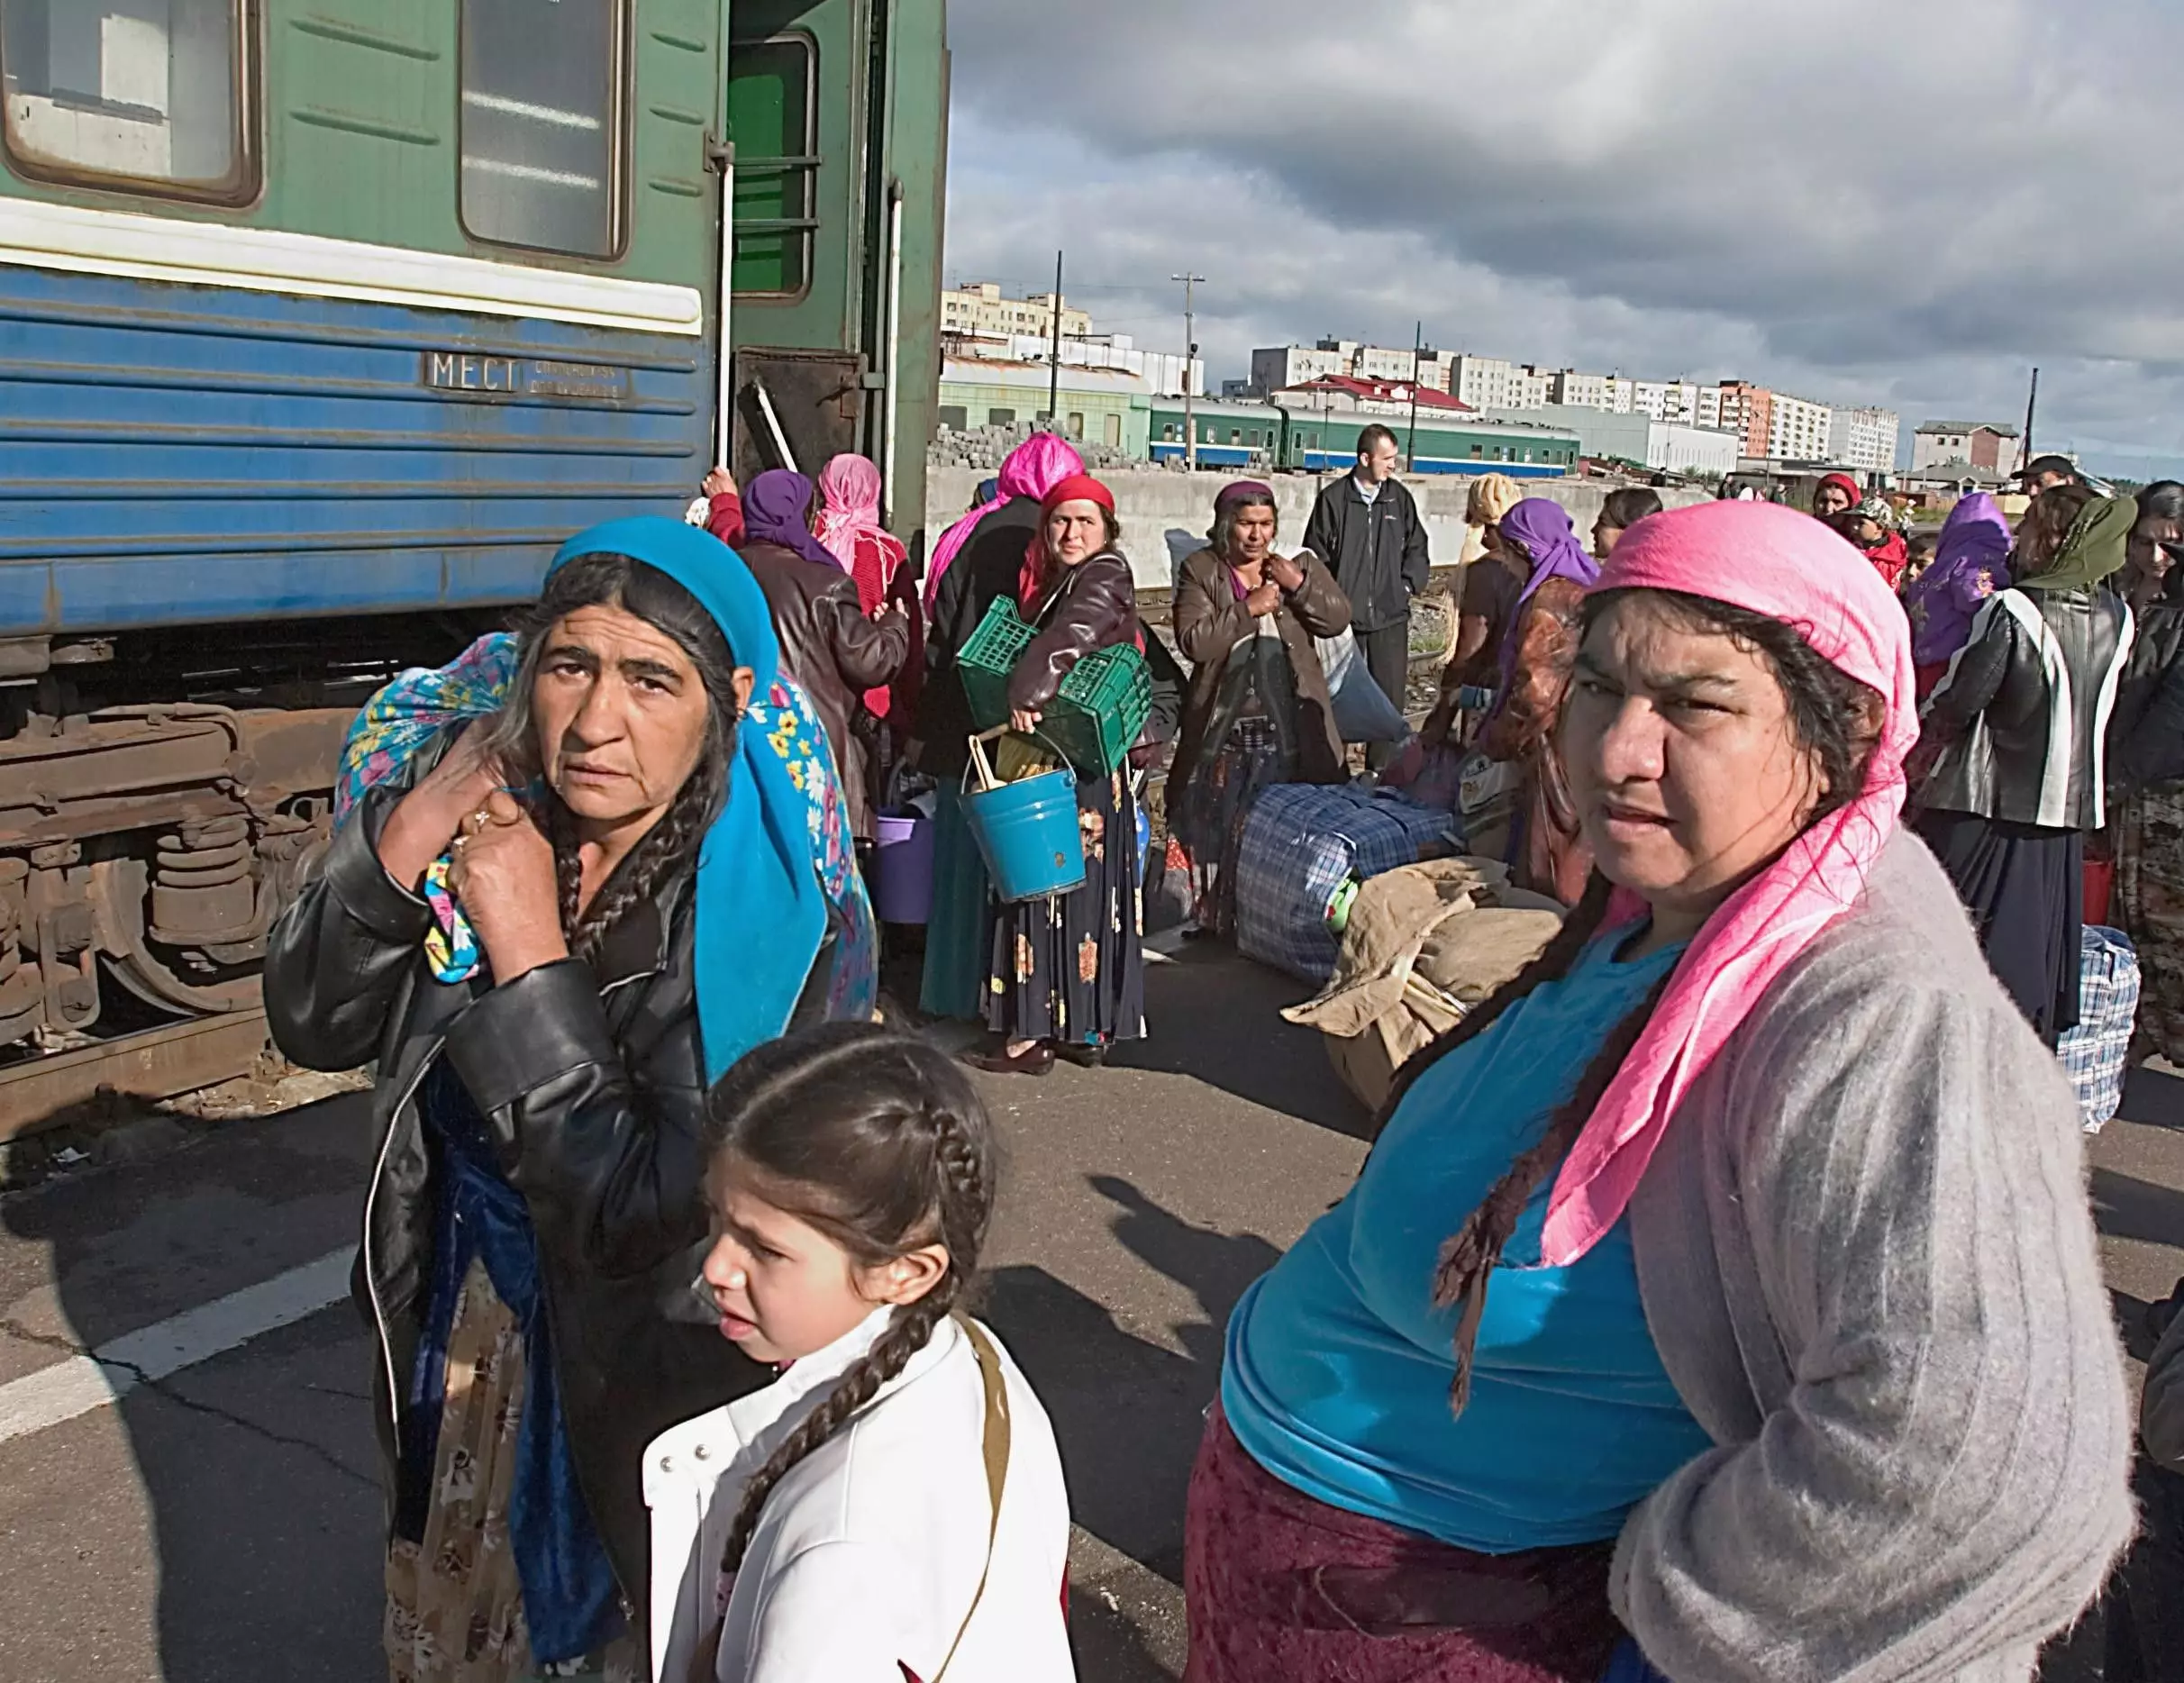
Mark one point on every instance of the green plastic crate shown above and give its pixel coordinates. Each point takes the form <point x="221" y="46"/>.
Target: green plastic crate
<point x="1104" y="702"/>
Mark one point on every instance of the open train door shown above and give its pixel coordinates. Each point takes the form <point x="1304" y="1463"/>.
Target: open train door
<point x="834" y="120"/>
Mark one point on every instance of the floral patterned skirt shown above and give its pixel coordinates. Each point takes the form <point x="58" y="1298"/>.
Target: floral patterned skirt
<point x="454" y="1602"/>
<point x="1072" y="967"/>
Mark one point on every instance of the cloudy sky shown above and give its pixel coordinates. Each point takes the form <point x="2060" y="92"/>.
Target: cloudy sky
<point x="1909" y="203"/>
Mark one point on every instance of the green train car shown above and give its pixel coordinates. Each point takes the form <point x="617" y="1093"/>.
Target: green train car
<point x="323" y="322"/>
<point x="1271" y="437"/>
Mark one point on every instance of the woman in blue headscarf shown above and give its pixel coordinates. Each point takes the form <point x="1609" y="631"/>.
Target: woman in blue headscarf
<point x="543" y="927"/>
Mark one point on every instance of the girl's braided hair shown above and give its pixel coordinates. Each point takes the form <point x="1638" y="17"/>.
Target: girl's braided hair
<point x="672" y="845"/>
<point x="1834" y="718"/>
<point x="876" y="1139"/>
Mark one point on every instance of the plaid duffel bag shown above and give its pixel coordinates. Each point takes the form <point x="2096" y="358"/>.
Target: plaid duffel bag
<point x="2097" y="1052"/>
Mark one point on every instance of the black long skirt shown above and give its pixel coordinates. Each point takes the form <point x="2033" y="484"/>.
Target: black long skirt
<point x="2024" y="887"/>
<point x="1072" y="967"/>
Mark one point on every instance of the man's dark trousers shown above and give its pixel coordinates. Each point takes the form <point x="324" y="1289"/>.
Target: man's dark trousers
<point x="1387" y="653"/>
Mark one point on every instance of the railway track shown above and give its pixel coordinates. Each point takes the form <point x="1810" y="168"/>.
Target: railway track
<point x="38" y="1092"/>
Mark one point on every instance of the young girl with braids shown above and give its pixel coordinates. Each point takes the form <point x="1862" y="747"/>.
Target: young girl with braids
<point x="1721" y="1295"/>
<point x="542" y="926"/>
<point x="892" y="1506"/>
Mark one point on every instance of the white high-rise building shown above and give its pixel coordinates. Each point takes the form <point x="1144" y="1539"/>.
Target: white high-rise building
<point x="1799" y="429"/>
<point x="1866" y="439"/>
<point x="1673" y="402"/>
<point x="1483" y="382"/>
<point x="1578" y="391"/>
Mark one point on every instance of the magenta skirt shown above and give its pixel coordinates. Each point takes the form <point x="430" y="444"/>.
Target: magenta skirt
<point x="1282" y="1589"/>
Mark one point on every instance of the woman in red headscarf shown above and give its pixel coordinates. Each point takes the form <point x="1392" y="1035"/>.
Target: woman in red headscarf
<point x="1068" y="972"/>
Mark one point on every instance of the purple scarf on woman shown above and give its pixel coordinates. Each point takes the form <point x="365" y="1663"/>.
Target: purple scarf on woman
<point x="778" y="509"/>
<point x="1544" y="530"/>
<point x="1971" y="563"/>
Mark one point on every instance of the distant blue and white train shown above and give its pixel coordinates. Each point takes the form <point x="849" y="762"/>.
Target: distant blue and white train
<point x="1265" y="435"/>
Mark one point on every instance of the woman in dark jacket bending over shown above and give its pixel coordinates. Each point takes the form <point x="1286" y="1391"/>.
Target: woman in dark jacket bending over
<point x="534" y="1225"/>
<point x="1066" y="972"/>
<point x="1258" y="710"/>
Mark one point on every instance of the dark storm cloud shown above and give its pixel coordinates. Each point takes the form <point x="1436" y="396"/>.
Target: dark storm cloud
<point x="1894" y="202"/>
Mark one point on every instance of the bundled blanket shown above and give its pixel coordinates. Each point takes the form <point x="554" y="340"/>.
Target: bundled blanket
<point x="1424" y="943"/>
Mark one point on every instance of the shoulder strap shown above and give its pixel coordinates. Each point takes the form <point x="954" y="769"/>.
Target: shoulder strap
<point x="995" y="1449"/>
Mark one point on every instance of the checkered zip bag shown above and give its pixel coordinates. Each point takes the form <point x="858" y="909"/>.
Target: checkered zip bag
<point x="2096" y="1053"/>
<point x="1300" y="841"/>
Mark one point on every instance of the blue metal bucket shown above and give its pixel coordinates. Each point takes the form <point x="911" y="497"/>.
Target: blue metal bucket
<point x="1027" y="830"/>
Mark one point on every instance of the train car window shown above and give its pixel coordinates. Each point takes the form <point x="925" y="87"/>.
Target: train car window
<point x="1112" y="428"/>
<point x="773" y="118"/>
<point x="541" y="123"/>
<point x="1077" y="424"/>
<point x="954" y="418"/>
<point x="150" y="97"/>
<point x="1000" y="417"/>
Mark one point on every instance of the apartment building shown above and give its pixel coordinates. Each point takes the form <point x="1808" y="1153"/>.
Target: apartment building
<point x="1484" y="382"/>
<point x="1672" y="401"/>
<point x="1279" y="367"/>
<point x="1865" y="439"/>
<point x="1987" y="446"/>
<point x="1799" y="429"/>
<point x="978" y="310"/>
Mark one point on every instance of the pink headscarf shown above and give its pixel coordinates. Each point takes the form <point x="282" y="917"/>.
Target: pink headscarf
<point x="848" y="503"/>
<point x="1780" y="562"/>
<point x="1032" y="470"/>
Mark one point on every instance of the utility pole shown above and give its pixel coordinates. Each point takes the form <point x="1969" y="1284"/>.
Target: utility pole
<point x="1410" y="445"/>
<point x="1190" y="349"/>
<point x="2031" y="404"/>
<point x="1054" y="359"/>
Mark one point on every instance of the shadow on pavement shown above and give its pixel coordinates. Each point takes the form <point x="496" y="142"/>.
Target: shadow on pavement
<point x="263" y="1519"/>
<point x="1215" y="1017"/>
<point x="2125" y="1207"/>
<point x="2154" y="1096"/>
<point x="1129" y="1411"/>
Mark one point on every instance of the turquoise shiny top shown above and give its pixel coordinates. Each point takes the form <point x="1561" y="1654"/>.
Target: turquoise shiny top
<point x="1338" y="1364"/>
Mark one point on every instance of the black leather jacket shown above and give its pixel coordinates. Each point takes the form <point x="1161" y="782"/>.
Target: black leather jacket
<point x="2146" y="732"/>
<point x="2018" y="746"/>
<point x="830" y="646"/>
<point x="1093" y="606"/>
<point x="594" y="1085"/>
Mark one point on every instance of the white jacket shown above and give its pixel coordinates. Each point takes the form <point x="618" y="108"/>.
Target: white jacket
<point x="869" y="1553"/>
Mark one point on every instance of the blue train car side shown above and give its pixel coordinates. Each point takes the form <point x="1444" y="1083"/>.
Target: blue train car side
<point x="182" y="455"/>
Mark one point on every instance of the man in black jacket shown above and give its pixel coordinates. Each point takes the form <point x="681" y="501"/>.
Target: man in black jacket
<point x="1366" y="528"/>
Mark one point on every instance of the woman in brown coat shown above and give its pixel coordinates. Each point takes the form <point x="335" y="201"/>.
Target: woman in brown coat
<point x="1546" y="852"/>
<point x="1258" y="710"/>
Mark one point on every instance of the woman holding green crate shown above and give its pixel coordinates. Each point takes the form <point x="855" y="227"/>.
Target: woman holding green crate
<point x="1066" y="974"/>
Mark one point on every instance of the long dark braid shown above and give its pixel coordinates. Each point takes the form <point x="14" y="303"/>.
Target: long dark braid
<point x="876" y="1139"/>
<point x="1834" y="717"/>
<point x="665" y="848"/>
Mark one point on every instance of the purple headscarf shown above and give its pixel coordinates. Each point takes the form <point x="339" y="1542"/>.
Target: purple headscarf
<point x="1032" y="470"/>
<point x="1971" y="563"/>
<point x="777" y="509"/>
<point x="1544" y="530"/>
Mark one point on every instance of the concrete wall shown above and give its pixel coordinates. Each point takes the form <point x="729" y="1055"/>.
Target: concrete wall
<point x="1165" y="516"/>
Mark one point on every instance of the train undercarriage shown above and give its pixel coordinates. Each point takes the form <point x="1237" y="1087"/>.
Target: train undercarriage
<point x="148" y="844"/>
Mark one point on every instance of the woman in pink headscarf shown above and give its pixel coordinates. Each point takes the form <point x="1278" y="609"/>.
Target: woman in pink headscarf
<point x="1720" y="1300"/>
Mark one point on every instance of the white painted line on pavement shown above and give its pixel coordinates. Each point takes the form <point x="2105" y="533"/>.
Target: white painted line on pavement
<point x="109" y="1373"/>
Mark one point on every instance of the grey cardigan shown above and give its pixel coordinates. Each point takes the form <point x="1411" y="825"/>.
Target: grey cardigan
<point x="1867" y="1256"/>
